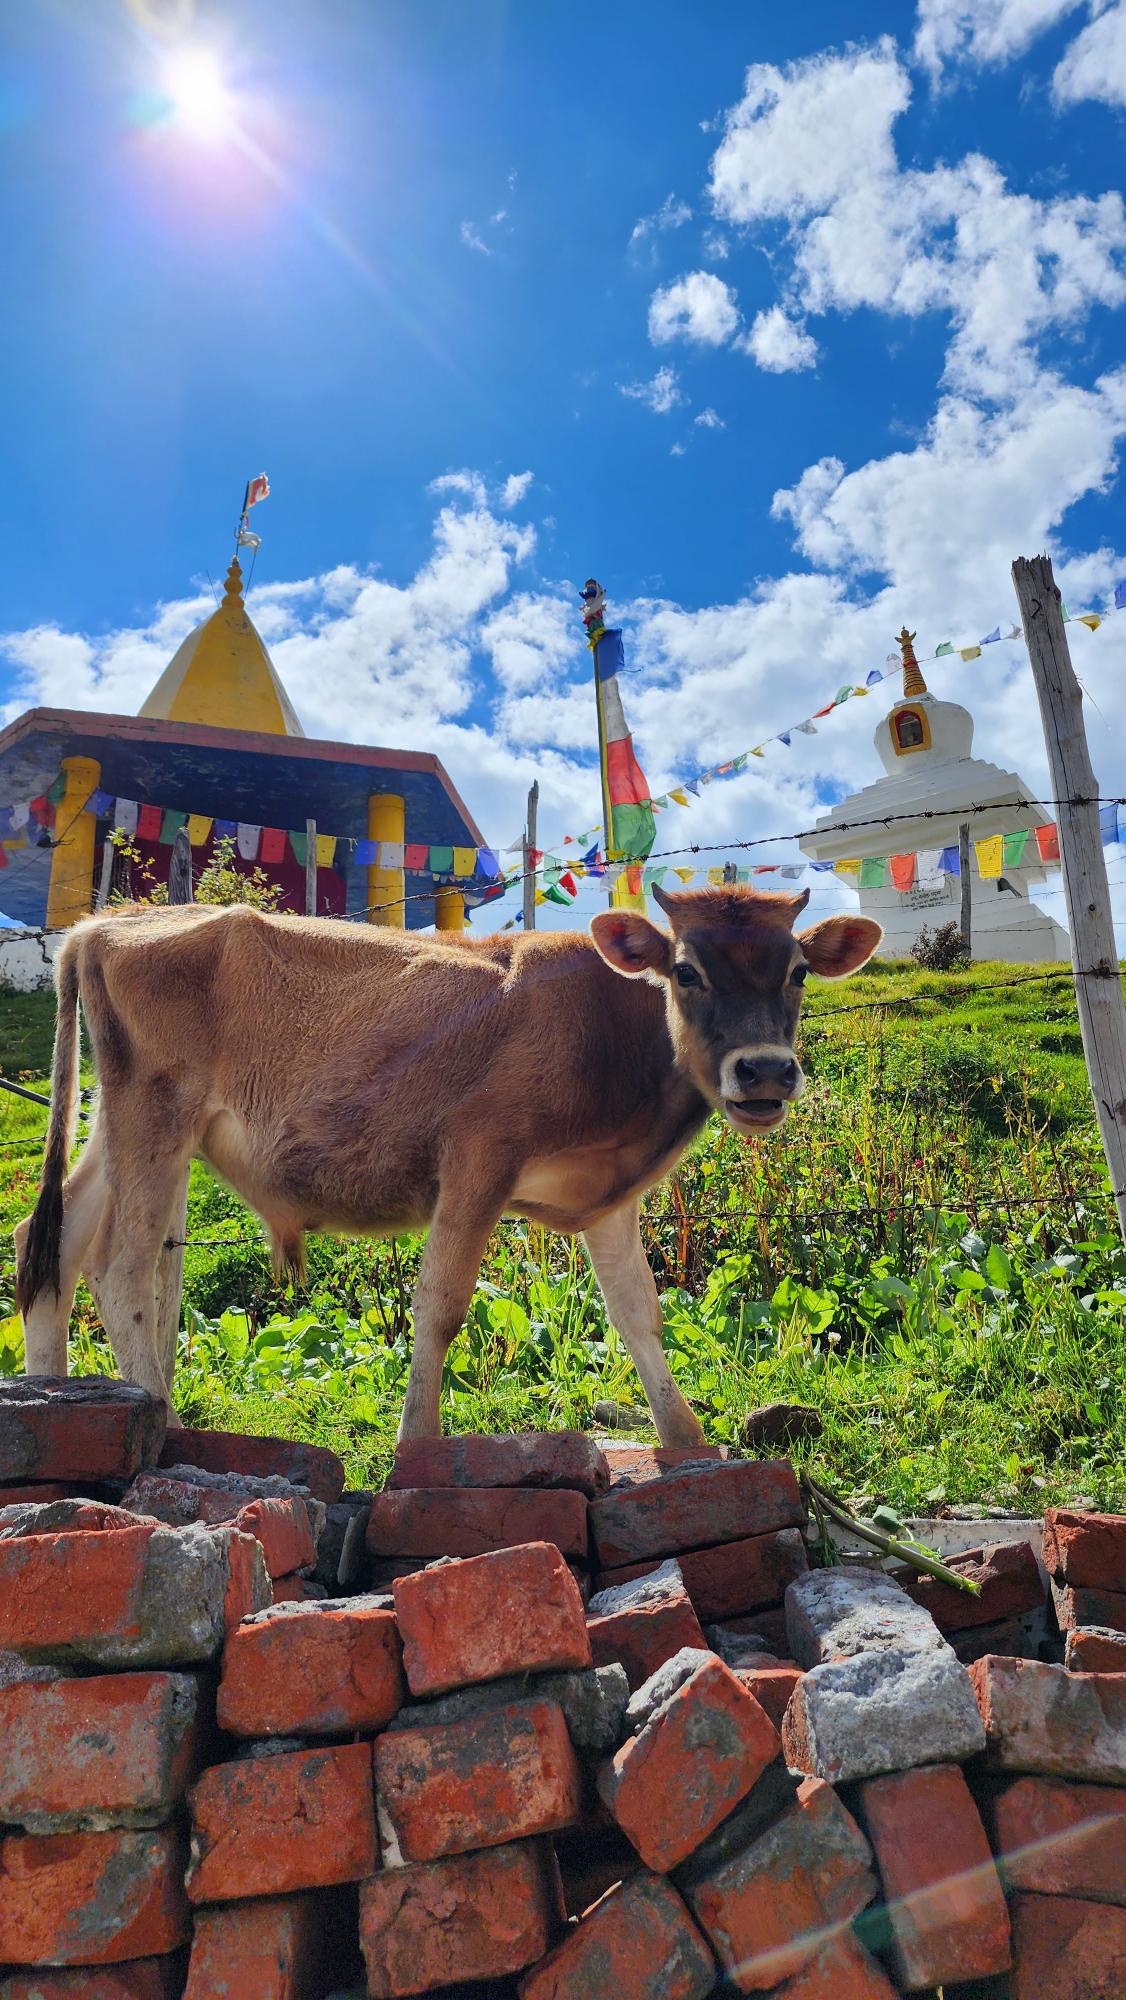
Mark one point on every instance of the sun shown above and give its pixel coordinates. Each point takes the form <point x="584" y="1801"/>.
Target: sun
<point x="201" y="98"/>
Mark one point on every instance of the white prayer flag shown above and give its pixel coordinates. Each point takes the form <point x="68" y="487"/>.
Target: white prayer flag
<point x="248" y="838"/>
<point x="125" y="815"/>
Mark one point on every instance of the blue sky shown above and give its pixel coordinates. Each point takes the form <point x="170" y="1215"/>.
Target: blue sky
<point x="798" y="332"/>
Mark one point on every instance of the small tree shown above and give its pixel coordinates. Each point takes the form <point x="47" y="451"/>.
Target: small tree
<point x="220" y="882"/>
<point x="943" y="950"/>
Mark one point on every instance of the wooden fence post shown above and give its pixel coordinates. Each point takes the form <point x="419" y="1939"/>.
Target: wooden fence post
<point x="1098" y="983"/>
<point x="966" y="883"/>
<point x="310" y="867"/>
<point x="180" y="889"/>
<point x="529" y="865"/>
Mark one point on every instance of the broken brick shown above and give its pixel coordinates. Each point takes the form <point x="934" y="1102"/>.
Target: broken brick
<point x="312" y="1670"/>
<point x="697" y="1507"/>
<point x="297" y="1590"/>
<point x="1043" y="1720"/>
<point x="1094" y="1649"/>
<point x="472" y="1521"/>
<point x="1062" y="1839"/>
<point x="637" y="1943"/>
<point x="945" y="1908"/>
<point x="261" y="1457"/>
<point x="761" y="1906"/>
<point x="645" y="1631"/>
<point x="472" y="1916"/>
<point x="840" y="1970"/>
<point x="835" y="1614"/>
<point x="734" y="1577"/>
<point x="1007" y="1573"/>
<point x="91" y="1898"/>
<point x="593" y="1701"/>
<point x="1085" y="1549"/>
<point x="635" y="1464"/>
<point x="549" y="1460"/>
<point x="108" y="1750"/>
<point x="281" y="1523"/>
<point x="771" y="1686"/>
<point x="271" y="1948"/>
<point x="515" y="1610"/>
<point x="886" y="1710"/>
<point x="1067" y="1949"/>
<point x="1081" y="1604"/>
<point x="265" y="1826"/>
<point x="689" y="1765"/>
<point x="37" y="1493"/>
<point x="139" y="1979"/>
<point x="76" y="1428"/>
<point x="500" y="1775"/>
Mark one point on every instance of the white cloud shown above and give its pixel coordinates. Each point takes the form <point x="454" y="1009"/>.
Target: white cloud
<point x="698" y="307"/>
<point x="800" y="138"/>
<point x="515" y="488"/>
<point x="779" y="344"/>
<point x="716" y="245"/>
<point x="660" y="395"/>
<point x="1095" y="64"/>
<point x="710" y="420"/>
<point x="473" y="240"/>
<point x="982" y="31"/>
<point x="467" y="482"/>
<point x="677" y="450"/>
<point x="672" y="214"/>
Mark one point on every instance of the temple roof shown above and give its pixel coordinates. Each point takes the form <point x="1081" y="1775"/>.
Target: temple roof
<point x="222" y="675"/>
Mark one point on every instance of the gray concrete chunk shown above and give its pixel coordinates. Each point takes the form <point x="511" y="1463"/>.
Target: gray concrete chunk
<point x="885" y="1710"/>
<point x="659" y="1689"/>
<point x="658" y="1587"/>
<point x="834" y="1613"/>
<point x="593" y="1701"/>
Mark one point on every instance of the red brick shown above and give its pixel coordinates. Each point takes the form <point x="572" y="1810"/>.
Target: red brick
<point x="264" y="1826"/>
<point x="1066" y="1949"/>
<point x="735" y="1577"/>
<point x="1010" y="1580"/>
<point x="57" y="1588"/>
<point x="634" y="1464"/>
<point x="499" y="1776"/>
<point x="689" y="1766"/>
<point x="262" y="1457"/>
<point x="836" y="1853"/>
<point x="1091" y="1650"/>
<point x="694" y="1509"/>
<point x="514" y="1611"/>
<point x="643" y="1638"/>
<point x="474" y="1916"/>
<point x="76" y="1428"/>
<point x="771" y="1686"/>
<point x="841" y="1970"/>
<point x="1041" y="1719"/>
<point x="272" y="1948"/>
<point x="297" y="1590"/>
<point x="1086" y="1549"/>
<point x="38" y="1492"/>
<point x="319" y="1670"/>
<point x="119" y="1748"/>
<point x="91" y="1898"/>
<point x="945" y="1906"/>
<point x="638" y="1943"/>
<point x="1082" y="1604"/>
<point x="72" y="1515"/>
<point x="141" y="1979"/>
<point x="1062" y="1839"/>
<point x="280" y="1523"/>
<point x="552" y="1460"/>
<point x="474" y="1521"/>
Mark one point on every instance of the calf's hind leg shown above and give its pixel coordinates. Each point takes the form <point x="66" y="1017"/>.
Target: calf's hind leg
<point x="615" y="1249"/>
<point x="122" y="1266"/>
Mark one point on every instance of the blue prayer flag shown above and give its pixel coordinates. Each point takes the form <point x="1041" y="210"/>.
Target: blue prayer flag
<point x="1120" y="595"/>
<point x="488" y="862"/>
<point x="99" y="803"/>
<point x="949" y="862"/>
<point x="873" y="677"/>
<point x="225" y="829"/>
<point x="1108" y="825"/>
<point x="366" y="853"/>
<point x="692" y="785"/>
<point x="784" y="737"/>
<point x="990" y="636"/>
<point x="821" y="867"/>
<point x="609" y="655"/>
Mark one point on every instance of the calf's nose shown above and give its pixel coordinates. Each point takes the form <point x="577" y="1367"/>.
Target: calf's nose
<point x="780" y="1071"/>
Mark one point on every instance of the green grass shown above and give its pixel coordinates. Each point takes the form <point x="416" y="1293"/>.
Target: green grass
<point x="928" y="1254"/>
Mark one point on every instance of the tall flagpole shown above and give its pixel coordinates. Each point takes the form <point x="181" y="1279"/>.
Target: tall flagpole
<point x="594" y="601"/>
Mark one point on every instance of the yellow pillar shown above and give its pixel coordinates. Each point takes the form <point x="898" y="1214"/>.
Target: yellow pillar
<point x="386" y="886"/>
<point x="71" y="891"/>
<point x="449" y="910"/>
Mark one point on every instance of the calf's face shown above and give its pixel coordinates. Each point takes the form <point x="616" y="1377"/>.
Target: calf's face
<point x="734" y="972"/>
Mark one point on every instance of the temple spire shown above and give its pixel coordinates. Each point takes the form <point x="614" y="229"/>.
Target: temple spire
<point x="913" y="682"/>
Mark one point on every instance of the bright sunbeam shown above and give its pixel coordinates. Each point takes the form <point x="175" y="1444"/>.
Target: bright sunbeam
<point x="201" y="98"/>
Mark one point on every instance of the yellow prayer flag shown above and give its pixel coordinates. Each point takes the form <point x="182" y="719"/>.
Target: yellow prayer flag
<point x="326" y="849"/>
<point x="990" y="853"/>
<point x="465" y="860"/>
<point x="969" y="653"/>
<point x="715" y="878"/>
<point x="540" y="897"/>
<point x="199" y="826"/>
<point x="685" y="874"/>
<point x="850" y="867"/>
<point x="760" y="752"/>
<point x="1091" y="619"/>
<point x="857" y="691"/>
<point x="680" y="797"/>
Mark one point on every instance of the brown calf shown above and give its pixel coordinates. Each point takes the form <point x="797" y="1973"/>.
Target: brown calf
<point x="367" y="1081"/>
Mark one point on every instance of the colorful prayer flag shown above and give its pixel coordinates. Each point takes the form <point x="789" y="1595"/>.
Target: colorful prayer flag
<point x="629" y="824"/>
<point x="99" y="802"/>
<point x="947" y="646"/>
<point x="365" y="854"/>
<point x="199" y="826"/>
<point x="149" y="822"/>
<point x="1013" y="846"/>
<point x="441" y="860"/>
<point x="465" y="861"/>
<point x="1120" y="596"/>
<point x="227" y="829"/>
<point x="991" y="637"/>
<point x="990" y="854"/>
<point x="170" y="826"/>
<point x="902" y="871"/>
<point x="488" y="863"/>
<point x="247" y="838"/>
<point x="950" y="861"/>
<point x="416" y="857"/>
<point x="392" y="854"/>
<point x="849" y="867"/>
<point x="297" y="841"/>
<point x="1108" y="825"/>
<point x="715" y="878"/>
<point x="874" y="676"/>
<point x="256" y="490"/>
<point x="679" y="795"/>
<point x="1091" y="619"/>
<point x="1048" y="842"/>
<point x="873" y="871"/>
<point x="969" y="653"/>
<point x="685" y="874"/>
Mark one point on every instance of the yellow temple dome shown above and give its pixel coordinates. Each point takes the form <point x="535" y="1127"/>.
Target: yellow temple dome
<point x="222" y="675"/>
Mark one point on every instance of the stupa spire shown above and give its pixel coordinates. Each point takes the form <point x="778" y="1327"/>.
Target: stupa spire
<point x="913" y="682"/>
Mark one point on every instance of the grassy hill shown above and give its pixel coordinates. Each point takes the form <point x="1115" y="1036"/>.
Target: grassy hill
<point x="928" y="1254"/>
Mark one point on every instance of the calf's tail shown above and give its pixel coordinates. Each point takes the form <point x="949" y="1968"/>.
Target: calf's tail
<point x="39" y="1265"/>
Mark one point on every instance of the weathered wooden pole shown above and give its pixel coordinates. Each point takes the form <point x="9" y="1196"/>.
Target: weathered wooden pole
<point x="966" y="882"/>
<point x="180" y="888"/>
<point x="310" y="867"/>
<point x="1098" y="983"/>
<point x="529" y="850"/>
<point x="729" y="872"/>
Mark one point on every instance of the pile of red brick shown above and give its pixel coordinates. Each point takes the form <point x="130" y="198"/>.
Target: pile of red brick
<point x="523" y="1725"/>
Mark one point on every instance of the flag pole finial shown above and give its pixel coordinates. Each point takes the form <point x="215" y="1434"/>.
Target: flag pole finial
<point x="913" y="682"/>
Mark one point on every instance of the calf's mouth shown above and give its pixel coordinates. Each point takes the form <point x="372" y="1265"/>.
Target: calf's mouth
<point x="755" y="1114"/>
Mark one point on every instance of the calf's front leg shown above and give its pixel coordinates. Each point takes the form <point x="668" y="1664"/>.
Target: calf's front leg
<point x="450" y="1263"/>
<point x="615" y="1249"/>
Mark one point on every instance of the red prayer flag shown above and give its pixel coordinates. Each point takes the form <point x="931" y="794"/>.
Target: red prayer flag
<point x="902" y="870"/>
<point x="3" y="856"/>
<point x="150" y="819"/>
<point x="273" y="844"/>
<point x="416" y="857"/>
<point x="1048" y="842"/>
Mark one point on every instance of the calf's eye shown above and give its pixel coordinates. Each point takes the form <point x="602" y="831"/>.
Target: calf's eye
<point x="687" y="975"/>
<point x="799" y="975"/>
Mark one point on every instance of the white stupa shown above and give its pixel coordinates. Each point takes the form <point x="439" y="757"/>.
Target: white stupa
<point x="925" y="747"/>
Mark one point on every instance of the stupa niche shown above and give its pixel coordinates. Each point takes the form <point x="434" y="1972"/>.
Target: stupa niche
<point x="932" y="780"/>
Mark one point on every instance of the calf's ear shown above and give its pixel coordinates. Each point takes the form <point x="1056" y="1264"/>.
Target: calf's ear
<point x="630" y="943"/>
<point x="840" y="945"/>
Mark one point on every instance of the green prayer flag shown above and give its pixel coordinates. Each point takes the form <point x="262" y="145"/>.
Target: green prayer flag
<point x="947" y="646"/>
<point x="57" y="792"/>
<point x="1066" y="612"/>
<point x="1014" y="846"/>
<point x="872" y="872"/>
<point x="441" y="860"/>
<point x="300" y="846"/>
<point x="842" y="694"/>
<point x="740" y="763"/>
<point x="170" y="826"/>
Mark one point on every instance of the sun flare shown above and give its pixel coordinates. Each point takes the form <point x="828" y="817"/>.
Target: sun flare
<point x="202" y="100"/>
